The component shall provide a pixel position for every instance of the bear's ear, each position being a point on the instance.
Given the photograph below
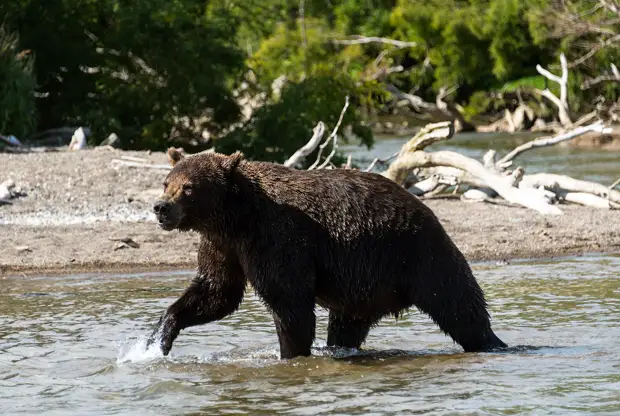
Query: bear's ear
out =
(233, 161)
(174, 156)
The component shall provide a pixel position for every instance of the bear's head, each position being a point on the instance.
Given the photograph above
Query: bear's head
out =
(195, 190)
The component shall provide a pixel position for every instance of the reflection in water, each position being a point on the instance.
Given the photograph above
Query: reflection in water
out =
(76, 345)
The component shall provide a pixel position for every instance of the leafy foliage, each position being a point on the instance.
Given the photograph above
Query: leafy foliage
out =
(17, 86)
(282, 127)
(132, 68)
(144, 69)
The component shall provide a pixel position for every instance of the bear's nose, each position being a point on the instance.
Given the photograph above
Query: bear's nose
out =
(160, 207)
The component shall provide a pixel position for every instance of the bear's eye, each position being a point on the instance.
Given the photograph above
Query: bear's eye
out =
(187, 189)
(165, 186)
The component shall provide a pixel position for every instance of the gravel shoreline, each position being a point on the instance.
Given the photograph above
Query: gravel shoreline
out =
(79, 209)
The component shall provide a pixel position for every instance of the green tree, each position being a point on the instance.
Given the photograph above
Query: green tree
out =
(134, 68)
(17, 86)
(278, 129)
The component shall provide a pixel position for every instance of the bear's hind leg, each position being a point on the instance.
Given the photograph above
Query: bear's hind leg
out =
(465, 319)
(451, 296)
(347, 332)
(295, 325)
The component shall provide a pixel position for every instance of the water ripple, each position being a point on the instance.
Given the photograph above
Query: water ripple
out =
(77, 345)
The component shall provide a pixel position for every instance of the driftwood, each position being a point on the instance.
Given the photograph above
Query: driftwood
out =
(333, 138)
(358, 39)
(613, 77)
(431, 133)
(451, 110)
(586, 199)
(522, 118)
(440, 107)
(431, 184)
(540, 192)
(568, 184)
(417, 103)
(550, 141)
(562, 102)
(303, 152)
(530, 198)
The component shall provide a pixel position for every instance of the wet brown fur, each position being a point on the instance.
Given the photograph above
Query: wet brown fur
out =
(352, 242)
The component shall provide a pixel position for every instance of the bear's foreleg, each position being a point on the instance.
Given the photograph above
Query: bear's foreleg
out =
(216, 292)
(204, 301)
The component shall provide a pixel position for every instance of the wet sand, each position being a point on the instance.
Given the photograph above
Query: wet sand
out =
(78, 207)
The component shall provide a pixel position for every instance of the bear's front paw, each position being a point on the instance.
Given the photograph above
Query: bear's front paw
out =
(165, 332)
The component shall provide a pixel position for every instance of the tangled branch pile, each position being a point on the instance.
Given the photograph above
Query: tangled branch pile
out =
(491, 180)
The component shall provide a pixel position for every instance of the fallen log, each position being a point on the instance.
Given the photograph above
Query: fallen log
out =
(564, 184)
(527, 197)
(587, 200)
(432, 184)
(428, 135)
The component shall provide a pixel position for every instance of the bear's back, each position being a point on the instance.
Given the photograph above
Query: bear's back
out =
(346, 202)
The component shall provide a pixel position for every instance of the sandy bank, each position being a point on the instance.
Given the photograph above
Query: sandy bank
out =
(78, 207)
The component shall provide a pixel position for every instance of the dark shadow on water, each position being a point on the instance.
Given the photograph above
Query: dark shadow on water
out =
(363, 355)
(31, 294)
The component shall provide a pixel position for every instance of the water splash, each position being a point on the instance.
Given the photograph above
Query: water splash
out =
(137, 351)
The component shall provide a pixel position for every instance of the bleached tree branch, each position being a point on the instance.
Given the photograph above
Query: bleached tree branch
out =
(594, 50)
(562, 101)
(613, 77)
(416, 102)
(506, 161)
(588, 200)
(303, 152)
(563, 183)
(359, 39)
(528, 197)
(428, 135)
(333, 137)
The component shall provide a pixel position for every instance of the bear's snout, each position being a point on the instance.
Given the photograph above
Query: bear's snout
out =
(167, 216)
(161, 207)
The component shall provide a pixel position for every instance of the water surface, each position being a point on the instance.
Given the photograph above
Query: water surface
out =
(75, 345)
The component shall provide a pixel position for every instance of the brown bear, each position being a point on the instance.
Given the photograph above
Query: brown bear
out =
(352, 242)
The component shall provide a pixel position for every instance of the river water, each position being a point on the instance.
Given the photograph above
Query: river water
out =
(74, 345)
